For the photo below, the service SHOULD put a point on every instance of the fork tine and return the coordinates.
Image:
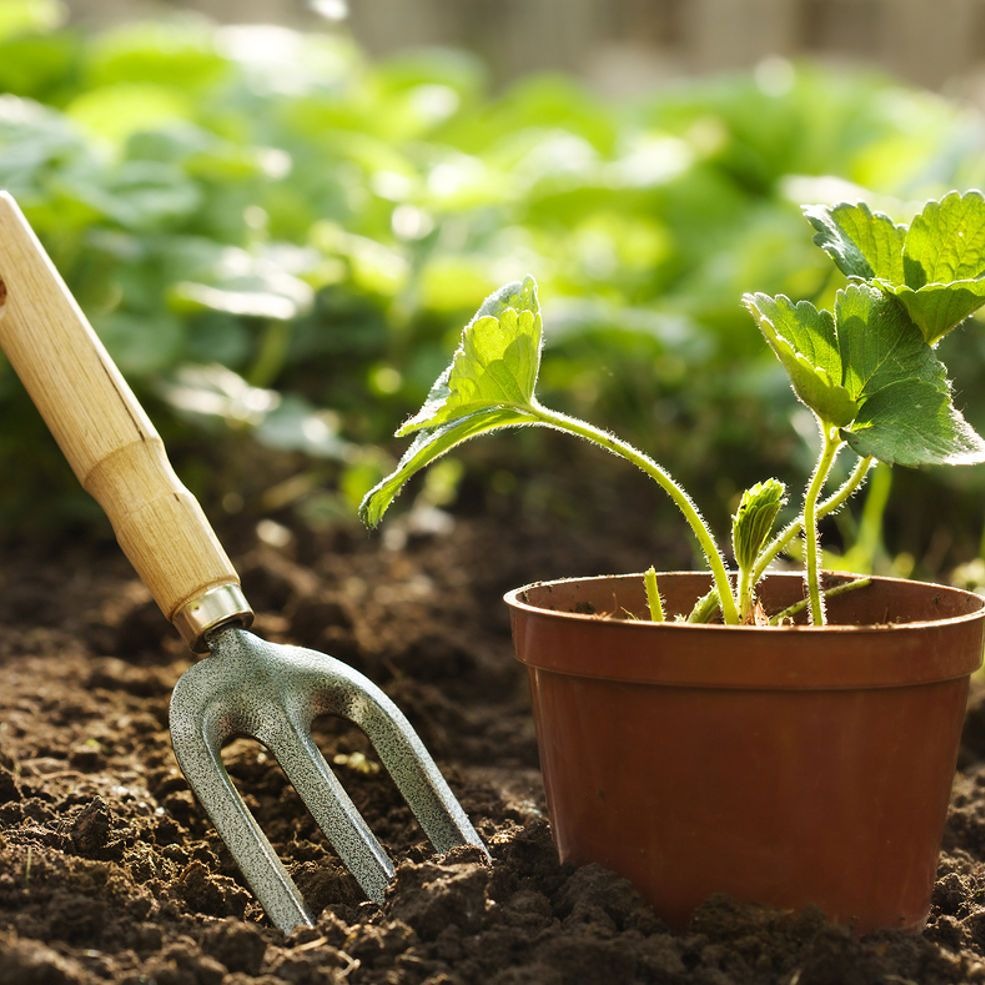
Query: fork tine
(333, 809)
(414, 772)
(344, 691)
(197, 739)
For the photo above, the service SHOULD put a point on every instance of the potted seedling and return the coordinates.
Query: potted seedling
(789, 739)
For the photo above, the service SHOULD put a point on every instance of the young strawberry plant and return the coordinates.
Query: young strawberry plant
(867, 370)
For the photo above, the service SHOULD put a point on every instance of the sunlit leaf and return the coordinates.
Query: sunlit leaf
(488, 385)
(429, 445)
(945, 242)
(938, 308)
(862, 243)
(935, 266)
(870, 366)
(906, 415)
(879, 344)
(804, 341)
(496, 364)
(913, 422)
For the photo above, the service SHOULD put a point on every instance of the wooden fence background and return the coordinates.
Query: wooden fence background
(626, 43)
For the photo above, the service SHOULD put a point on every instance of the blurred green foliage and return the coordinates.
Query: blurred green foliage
(279, 241)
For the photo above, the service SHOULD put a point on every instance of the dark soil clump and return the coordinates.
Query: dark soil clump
(110, 874)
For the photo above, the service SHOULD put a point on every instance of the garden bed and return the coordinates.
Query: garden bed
(108, 873)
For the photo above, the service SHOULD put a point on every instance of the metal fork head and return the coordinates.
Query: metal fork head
(249, 687)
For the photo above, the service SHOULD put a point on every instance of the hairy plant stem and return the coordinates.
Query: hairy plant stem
(834, 502)
(703, 535)
(830, 444)
(653, 600)
(706, 607)
(791, 610)
(745, 594)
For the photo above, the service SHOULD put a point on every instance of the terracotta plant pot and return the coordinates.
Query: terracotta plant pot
(788, 766)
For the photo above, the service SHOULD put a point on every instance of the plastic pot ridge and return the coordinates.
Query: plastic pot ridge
(791, 766)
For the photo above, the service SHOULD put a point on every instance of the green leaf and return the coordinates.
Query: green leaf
(905, 411)
(496, 364)
(429, 445)
(938, 308)
(869, 371)
(805, 342)
(935, 267)
(489, 385)
(753, 520)
(862, 243)
(943, 263)
(913, 422)
(879, 344)
(945, 242)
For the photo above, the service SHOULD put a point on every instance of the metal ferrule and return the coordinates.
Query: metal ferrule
(213, 608)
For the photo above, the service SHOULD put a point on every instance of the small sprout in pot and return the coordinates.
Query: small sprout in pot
(867, 370)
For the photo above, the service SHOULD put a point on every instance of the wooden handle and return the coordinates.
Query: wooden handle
(103, 431)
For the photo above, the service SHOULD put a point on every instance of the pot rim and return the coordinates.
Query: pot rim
(513, 599)
(807, 658)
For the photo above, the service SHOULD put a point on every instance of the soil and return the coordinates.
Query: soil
(108, 872)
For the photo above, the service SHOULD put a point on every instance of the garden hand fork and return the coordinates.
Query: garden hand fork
(246, 686)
